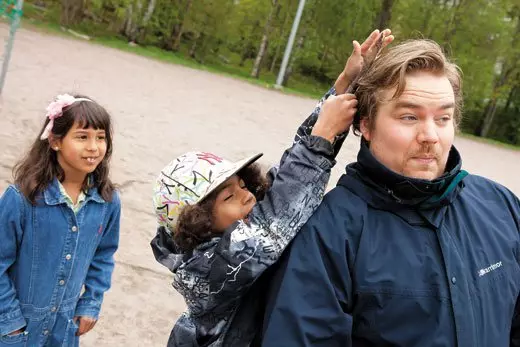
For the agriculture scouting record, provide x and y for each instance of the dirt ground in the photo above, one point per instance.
(161, 110)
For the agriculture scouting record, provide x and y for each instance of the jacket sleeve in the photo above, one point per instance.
(215, 277)
(11, 231)
(310, 297)
(100, 271)
(305, 129)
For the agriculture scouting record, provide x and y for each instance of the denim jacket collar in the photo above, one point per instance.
(53, 196)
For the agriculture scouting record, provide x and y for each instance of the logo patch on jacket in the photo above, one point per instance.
(493, 267)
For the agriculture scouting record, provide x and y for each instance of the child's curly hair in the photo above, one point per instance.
(195, 222)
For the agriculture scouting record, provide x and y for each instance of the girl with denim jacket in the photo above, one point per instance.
(221, 224)
(59, 226)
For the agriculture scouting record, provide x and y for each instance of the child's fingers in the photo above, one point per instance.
(386, 32)
(369, 42)
(356, 51)
(347, 96)
(387, 40)
(348, 101)
(85, 324)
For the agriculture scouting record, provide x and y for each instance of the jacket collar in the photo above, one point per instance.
(386, 189)
(52, 194)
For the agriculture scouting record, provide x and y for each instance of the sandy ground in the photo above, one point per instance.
(161, 110)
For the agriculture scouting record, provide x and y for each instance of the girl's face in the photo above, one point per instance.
(80, 151)
(233, 202)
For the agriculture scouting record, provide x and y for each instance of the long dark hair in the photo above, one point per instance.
(40, 165)
(195, 223)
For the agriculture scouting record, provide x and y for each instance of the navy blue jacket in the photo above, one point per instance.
(392, 261)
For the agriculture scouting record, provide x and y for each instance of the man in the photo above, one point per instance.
(408, 249)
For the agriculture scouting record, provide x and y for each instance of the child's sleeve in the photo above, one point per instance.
(305, 130)
(11, 231)
(100, 271)
(216, 278)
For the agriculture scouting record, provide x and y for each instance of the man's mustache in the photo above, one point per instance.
(427, 151)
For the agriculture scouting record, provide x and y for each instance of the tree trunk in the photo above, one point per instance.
(265, 41)
(177, 40)
(451, 24)
(282, 36)
(129, 20)
(385, 15)
(193, 48)
(71, 12)
(140, 31)
(508, 70)
(489, 115)
(512, 94)
(132, 27)
(149, 13)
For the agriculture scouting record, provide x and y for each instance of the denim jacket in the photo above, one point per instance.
(216, 276)
(48, 254)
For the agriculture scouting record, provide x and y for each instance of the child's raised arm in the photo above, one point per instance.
(227, 267)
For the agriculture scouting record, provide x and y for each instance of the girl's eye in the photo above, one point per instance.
(82, 137)
(228, 197)
(101, 137)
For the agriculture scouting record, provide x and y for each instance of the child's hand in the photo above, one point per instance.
(16, 332)
(361, 54)
(336, 116)
(85, 324)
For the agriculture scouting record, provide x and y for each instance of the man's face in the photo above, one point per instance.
(413, 134)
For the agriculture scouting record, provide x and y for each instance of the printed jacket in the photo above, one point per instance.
(215, 278)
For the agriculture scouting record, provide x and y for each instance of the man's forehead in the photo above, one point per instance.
(421, 87)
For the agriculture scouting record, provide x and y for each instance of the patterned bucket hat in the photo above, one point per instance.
(189, 179)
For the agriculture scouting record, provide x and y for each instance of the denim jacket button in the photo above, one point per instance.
(74, 228)
(62, 282)
(53, 309)
(68, 256)
(46, 332)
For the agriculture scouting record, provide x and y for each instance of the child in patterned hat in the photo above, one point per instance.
(222, 223)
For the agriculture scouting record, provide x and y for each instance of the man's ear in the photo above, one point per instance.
(365, 128)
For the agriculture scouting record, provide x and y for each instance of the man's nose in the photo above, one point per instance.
(428, 132)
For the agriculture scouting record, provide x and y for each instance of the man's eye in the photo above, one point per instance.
(409, 117)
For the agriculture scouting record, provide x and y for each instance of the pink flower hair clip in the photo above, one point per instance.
(55, 110)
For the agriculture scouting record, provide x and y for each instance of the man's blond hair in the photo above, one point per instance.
(390, 69)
